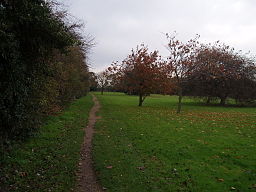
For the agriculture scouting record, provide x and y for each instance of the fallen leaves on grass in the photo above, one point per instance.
(23, 174)
(220, 180)
(141, 168)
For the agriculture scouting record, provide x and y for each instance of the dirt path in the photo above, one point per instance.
(87, 181)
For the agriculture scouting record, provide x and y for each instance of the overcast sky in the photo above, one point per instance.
(120, 25)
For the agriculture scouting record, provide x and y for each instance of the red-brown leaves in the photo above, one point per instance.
(219, 71)
(181, 61)
(142, 73)
(182, 56)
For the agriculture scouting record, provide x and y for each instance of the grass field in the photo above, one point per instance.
(48, 161)
(151, 148)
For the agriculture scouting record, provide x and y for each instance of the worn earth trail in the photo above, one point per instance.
(87, 181)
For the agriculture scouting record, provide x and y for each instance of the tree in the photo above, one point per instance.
(221, 72)
(141, 73)
(181, 61)
(245, 92)
(93, 81)
(31, 34)
(71, 74)
(103, 80)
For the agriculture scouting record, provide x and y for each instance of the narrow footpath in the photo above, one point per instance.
(87, 181)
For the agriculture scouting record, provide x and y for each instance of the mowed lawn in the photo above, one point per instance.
(151, 148)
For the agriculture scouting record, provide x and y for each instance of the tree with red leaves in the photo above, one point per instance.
(221, 72)
(181, 61)
(142, 73)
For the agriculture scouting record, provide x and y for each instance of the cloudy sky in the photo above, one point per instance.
(120, 25)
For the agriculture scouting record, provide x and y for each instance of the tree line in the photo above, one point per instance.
(207, 71)
(43, 64)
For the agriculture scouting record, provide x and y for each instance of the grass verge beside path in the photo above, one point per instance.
(151, 148)
(48, 161)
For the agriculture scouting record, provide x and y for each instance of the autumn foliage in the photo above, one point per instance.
(141, 73)
(43, 65)
(181, 61)
(209, 71)
(220, 72)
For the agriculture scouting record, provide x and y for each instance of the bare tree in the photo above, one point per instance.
(103, 80)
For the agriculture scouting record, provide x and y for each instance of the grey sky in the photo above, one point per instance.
(120, 25)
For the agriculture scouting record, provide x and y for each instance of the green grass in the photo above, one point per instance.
(151, 148)
(48, 161)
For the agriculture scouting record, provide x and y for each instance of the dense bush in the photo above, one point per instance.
(42, 65)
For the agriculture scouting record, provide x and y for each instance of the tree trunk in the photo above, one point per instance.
(140, 100)
(208, 100)
(223, 101)
(102, 89)
(180, 98)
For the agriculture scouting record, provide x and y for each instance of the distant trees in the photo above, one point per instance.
(245, 91)
(141, 73)
(71, 74)
(93, 81)
(103, 79)
(42, 65)
(221, 72)
(207, 71)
